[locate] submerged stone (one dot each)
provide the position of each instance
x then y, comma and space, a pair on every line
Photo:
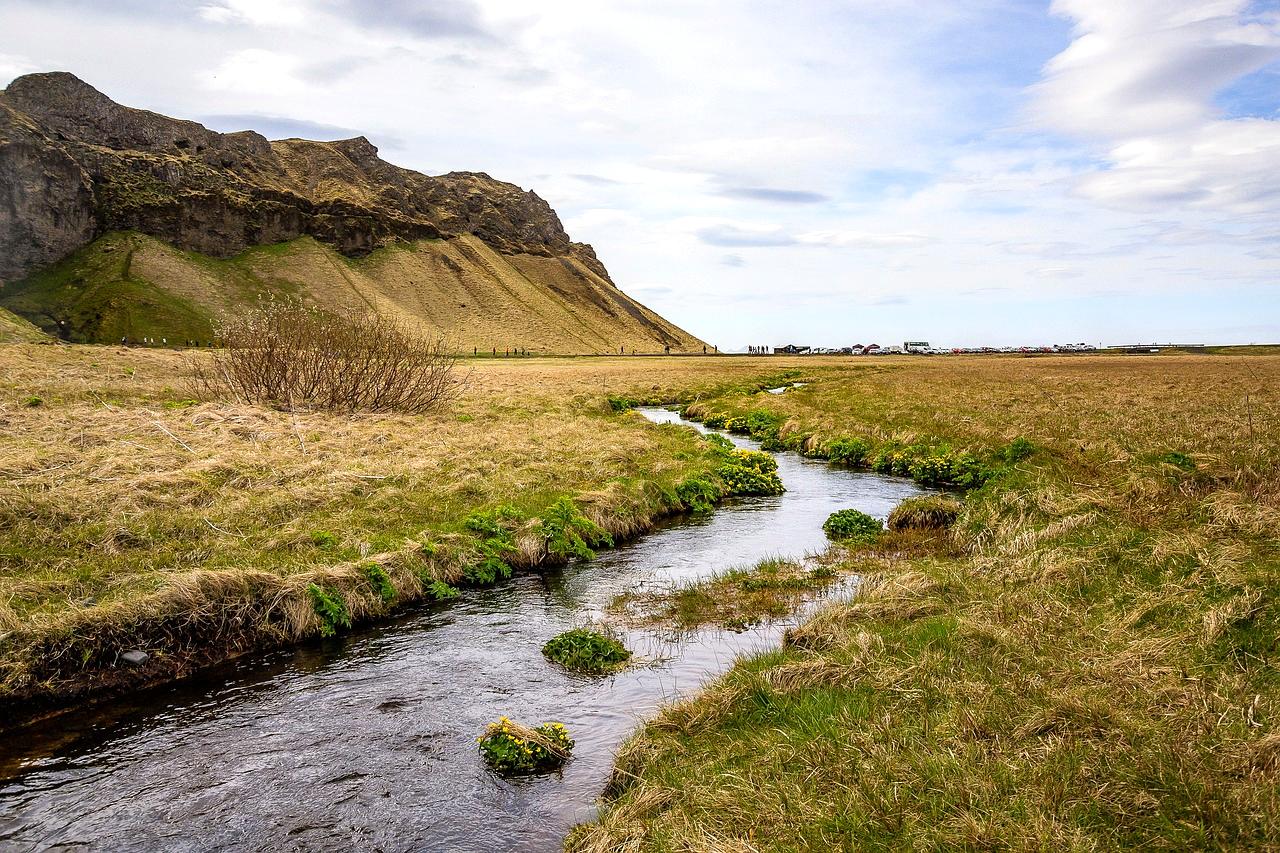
135, 657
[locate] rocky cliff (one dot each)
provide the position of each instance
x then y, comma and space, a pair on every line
75, 166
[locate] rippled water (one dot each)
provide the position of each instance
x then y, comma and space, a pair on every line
368, 741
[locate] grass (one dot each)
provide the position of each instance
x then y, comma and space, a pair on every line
15, 330
132, 516
1085, 659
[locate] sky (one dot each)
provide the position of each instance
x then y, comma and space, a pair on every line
986, 172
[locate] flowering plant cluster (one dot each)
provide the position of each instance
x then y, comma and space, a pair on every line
750, 472
510, 747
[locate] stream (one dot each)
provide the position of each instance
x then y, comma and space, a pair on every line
367, 741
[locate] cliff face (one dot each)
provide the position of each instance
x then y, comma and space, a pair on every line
121, 223
74, 165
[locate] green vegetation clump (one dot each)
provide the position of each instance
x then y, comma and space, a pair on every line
618, 403
1017, 450
933, 466
331, 608
697, 494
851, 525
510, 747
33, 402
378, 578
848, 451
441, 591
930, 512
585, 650
567, 533
750, 472
496, 543
323, 539
1178, 460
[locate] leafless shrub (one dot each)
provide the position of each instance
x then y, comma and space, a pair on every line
290, 357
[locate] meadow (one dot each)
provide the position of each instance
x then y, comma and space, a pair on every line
134, 515
1085, 660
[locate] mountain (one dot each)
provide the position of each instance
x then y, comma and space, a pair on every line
118, 222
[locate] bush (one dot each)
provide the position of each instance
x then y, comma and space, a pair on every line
287, 356
848, 451
931, 512
378, 578
584, 650
496, 543
568, 533
697, 494
509, 747
331, 608
851, 525
441, 591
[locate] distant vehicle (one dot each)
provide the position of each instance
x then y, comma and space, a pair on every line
871, 349
915, 346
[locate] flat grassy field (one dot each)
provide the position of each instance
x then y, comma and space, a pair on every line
133, 516
1086, 660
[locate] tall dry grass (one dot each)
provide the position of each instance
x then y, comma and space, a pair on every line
1094, 668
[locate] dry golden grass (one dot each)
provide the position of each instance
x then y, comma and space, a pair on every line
1095, 667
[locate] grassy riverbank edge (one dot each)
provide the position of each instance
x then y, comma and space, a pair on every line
209, 617
1087, 661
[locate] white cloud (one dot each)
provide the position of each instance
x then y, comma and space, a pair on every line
1139, 79
257, 71
262, 13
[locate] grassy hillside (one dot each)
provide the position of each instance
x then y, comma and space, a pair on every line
1088, 660
14, 329
131, 285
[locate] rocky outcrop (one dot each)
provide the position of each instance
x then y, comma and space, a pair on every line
74, 165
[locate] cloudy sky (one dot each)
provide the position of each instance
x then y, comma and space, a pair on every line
986, 171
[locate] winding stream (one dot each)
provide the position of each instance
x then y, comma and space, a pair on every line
367, 741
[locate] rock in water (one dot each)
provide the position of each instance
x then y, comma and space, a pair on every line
136, 657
